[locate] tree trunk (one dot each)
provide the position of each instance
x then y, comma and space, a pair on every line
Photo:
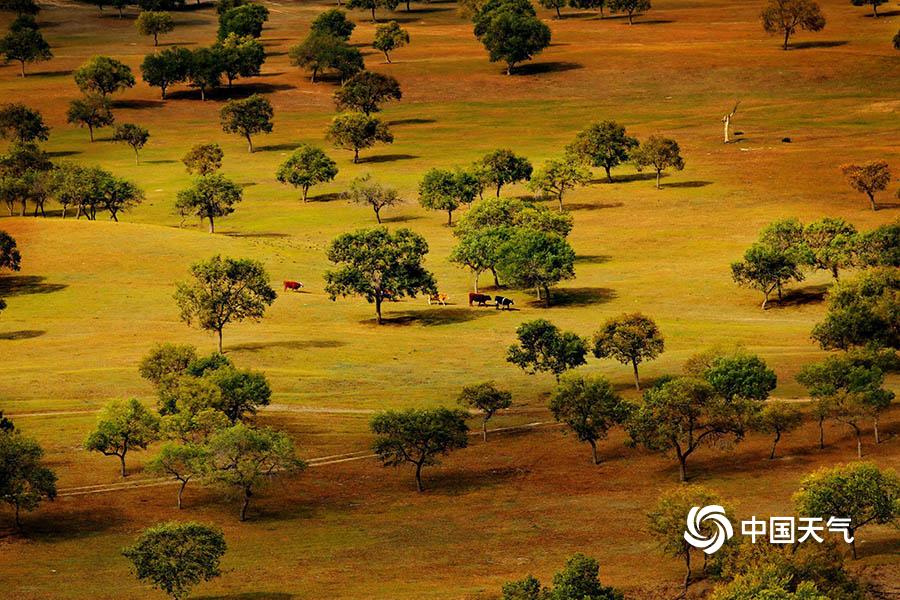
637, 379
181, 492
122, 463
594, 452
449, 218
608, 173
877, 437
91, 131
305, 192
687, 565
212, 225
387, 57
484, 429
245, 504
137, 157
377, 215
378, 310
419, 487
558, 15
630, 19
509, 67
407, 6
821, 434
787, 35
853, 545
872, 200
658, 175
355, 155
499, 185
875, 9
314, 72
18, 521
249, 145
858, 441
774, 444
163, 88
546, 296
156, 39
23, 68
476, 282
496, 278
373, 13
219, 331
682, 467
559, 199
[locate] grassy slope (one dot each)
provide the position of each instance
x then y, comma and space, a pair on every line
93, 296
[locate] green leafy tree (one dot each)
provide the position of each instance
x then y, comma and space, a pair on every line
10, 257
366, 92
778, 418
589, 4
306, 167
487, 399
6, 424
502, 167
389, 37
25, 46
321, 52
211, 197
378, 264
537, 260
245, 20
371, 5
658, 153
557, 177
590, 407
356, 131
25, 481
241, 56
175, 557
767, 269
418, 437
873, 3
604, 144
165, 361
510, 32
205, 70
20, 7
245, 458
862, 312
629, 7
785, 17
103, 75
181, 462
580, 580
446, 190
527, 588
629, 339
861, 492
868, 178
554, 5
333, 22
479, 251
242, 392
741, 376
133, 135
119, 195
832, 243
154, 23
684, 414
203, 159
248, 117
667, 520
879, 247
123, 425
22, 124
542, 347
166, 68
363, 190
223, 291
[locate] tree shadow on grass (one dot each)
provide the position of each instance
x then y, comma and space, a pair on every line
592, 206
63, 153
592, 259
453, 482
57, 525
139, 104
542, 68
22, 285
381, 158
815, 44
811, 294
431, 317
687, 184
653, 21
628, 178
60, 73
245, 90
287, 345
411, 122
250, 234
25, 334
584, 296
400, 219
277, 147
162, 161
329, 197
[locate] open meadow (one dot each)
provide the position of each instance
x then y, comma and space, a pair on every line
92, 297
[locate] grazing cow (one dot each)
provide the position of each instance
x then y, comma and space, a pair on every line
503, 301
480, 299
438, 299
292, 285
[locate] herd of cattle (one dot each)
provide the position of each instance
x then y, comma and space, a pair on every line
475, 299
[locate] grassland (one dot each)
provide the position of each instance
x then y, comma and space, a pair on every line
92, 297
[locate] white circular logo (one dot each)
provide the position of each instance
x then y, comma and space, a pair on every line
715, 515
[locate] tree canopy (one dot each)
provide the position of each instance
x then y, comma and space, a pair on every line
123, 426
247, 117
604, 144
485, 398
785, 17
103, 75
658, 153
25, 481
366, 92
542, 347
154, 23
306, 167
389, 37
629, 339
22, 124
357, 131
212, 196
590, 407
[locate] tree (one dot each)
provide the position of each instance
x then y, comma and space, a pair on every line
366, 91
862, 312
389, 37
93, 111
224, 290
24, 480
478, 250
123, 425
879, 247
245, 458
536, 260
589, 4
10, 258
667, 521
513, 38
103, 75
861, 492
119, 195
873, 3
247, 117
242, 392
590, 407
766, 269
868, 178
740, 376
554, 5
182, 462
174, 557
604, 144
20, 7
371, 5
785, 17
897, 41
356, 131
683, 414
322, 52
556, 177
485, 398
418, 437
502, 167
378, 264
579, 580
203, 159
832, 243
659, 153
205, 70
445, 190
306, 167
22, 124
629, 339
133, 135
363, 190
165, 361
527, 588
778, 418
6, 424
543, 347
629, 7
166, 68
244, 20
25, 46
211, 197
333, 22
240, 56
155, 23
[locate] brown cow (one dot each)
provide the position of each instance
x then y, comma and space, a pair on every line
480, 299
292, 285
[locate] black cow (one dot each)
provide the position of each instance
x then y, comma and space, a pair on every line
506, 303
